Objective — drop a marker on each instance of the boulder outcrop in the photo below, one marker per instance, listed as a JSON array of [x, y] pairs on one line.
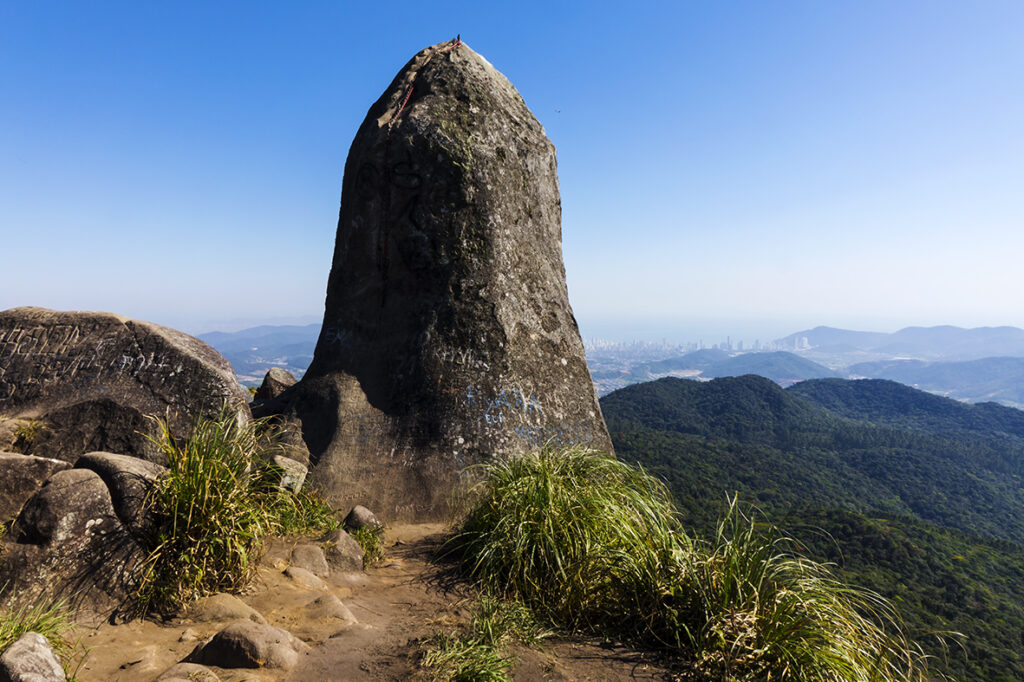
[[68, 543], [90, 379], [245, 644], [448, 338], [129, 480]]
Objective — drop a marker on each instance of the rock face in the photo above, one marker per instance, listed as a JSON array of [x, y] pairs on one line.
[[20, 477], [91, 378], [447, 337], [129, 480]]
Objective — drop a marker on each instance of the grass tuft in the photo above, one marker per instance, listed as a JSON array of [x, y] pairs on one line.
[[591, 544], [54, 622], [214, 509], [371, 540], [479, 653], [25, 434]]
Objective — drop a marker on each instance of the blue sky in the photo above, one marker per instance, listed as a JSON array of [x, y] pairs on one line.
[[749, 168]]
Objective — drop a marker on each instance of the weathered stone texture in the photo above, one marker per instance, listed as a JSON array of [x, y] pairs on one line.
[[20, 477], [68, 543], [276, 382], [343, 553], [91, 378], [448, 337], [245, 644], [130, 481], [30, 659]]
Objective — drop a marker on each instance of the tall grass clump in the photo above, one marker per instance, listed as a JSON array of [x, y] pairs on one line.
[[592, 544], [52, 621], [746, 607], [218, 502], [576, 535]]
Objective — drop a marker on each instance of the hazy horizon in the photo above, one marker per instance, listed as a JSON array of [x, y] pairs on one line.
[[747, 170], [711, 332]]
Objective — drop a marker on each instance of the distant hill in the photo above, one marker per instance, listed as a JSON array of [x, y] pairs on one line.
[[782, 367], [252, 352], [996, 379], [916, 496], [927, 343]]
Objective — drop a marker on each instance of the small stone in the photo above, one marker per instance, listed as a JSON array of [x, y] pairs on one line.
[[245, 644], [293, 473], [188, 635], [343, 553], [304, 578], [360, 517], [276, 382], [30, 659], [311, 558], [329, 607], [222, 607]]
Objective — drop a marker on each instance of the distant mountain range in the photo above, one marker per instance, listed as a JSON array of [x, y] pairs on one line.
[[916, 356], [252, 352], [781, 367], [913, 495], [923, 343]]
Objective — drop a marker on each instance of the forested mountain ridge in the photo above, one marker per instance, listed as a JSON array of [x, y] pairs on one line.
[[800, 452], [916, 496]]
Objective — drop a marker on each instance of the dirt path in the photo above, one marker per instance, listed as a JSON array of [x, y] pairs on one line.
[[398, 605]]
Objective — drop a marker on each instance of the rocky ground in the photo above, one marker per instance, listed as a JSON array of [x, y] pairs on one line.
[[348, 626]]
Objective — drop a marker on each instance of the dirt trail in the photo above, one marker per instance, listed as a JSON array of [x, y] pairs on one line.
[[397, 604]]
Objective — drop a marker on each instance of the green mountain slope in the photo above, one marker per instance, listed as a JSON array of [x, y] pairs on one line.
[[922, 495]]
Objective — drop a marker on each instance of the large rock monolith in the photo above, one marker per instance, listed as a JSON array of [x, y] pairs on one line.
[[447, 337], [90, 379]]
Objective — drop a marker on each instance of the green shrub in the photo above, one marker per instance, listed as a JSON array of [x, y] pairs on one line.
[[593, 544], [214, 509], [371, 540]]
